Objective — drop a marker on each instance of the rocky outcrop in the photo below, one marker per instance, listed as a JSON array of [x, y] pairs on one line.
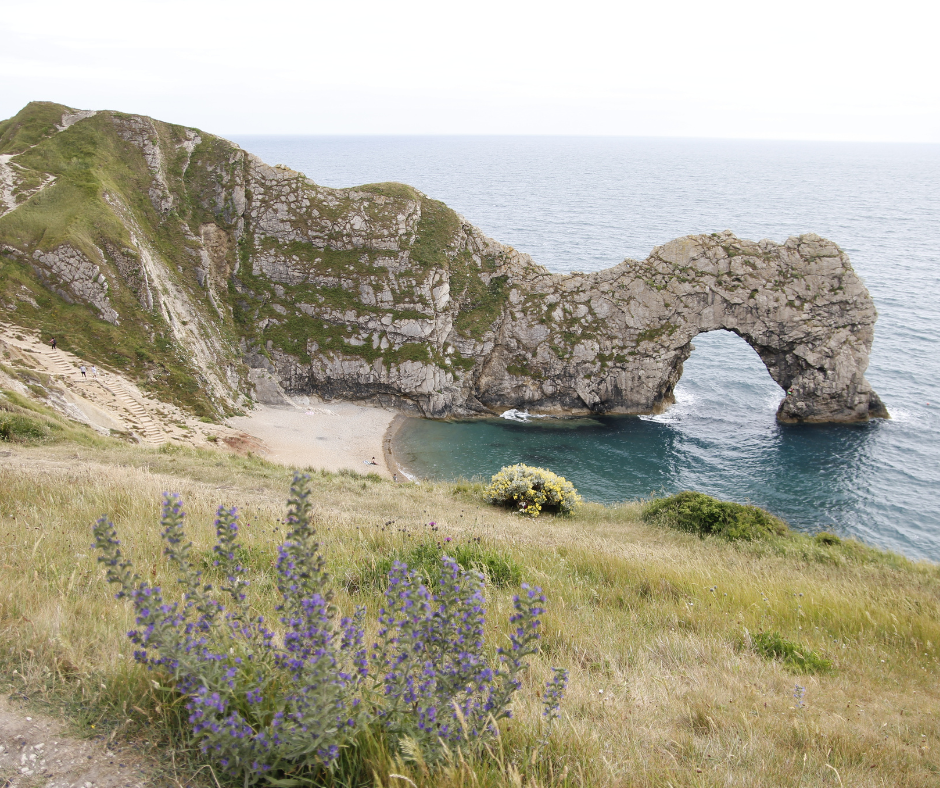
[[142, 132], [380, 293], [615, 341], [75, 277], [798, 304]]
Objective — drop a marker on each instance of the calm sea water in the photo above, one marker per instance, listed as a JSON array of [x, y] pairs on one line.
[[586, 203]]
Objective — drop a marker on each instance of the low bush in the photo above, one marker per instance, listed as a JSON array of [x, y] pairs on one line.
[[797, 658], [531, 491], [306, 704], [20, 428], [706, 516], [425, 559]]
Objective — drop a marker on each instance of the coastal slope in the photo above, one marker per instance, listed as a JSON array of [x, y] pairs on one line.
[[218, 279]]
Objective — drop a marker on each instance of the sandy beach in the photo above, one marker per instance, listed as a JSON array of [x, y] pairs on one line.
[[330, 436]]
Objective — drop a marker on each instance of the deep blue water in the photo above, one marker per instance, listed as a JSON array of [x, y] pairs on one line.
[[586, 203]]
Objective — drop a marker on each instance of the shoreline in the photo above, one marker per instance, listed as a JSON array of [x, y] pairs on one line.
[[388, 455]]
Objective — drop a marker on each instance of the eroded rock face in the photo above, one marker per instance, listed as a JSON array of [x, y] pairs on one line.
[[615, 341], [75, 278], [379, 293], [798, 304], [487, 329]]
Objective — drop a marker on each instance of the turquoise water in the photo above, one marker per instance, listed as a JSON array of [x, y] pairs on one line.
[[724, 441], [586, 203]]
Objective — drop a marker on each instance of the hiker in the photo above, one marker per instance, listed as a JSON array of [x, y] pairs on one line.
[[94, 372], [82, 370], [52, 343]]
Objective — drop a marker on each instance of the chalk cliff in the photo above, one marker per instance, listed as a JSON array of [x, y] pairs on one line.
[[257, 280]]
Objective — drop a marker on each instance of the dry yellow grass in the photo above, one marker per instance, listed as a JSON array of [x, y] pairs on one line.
[[666, 688]]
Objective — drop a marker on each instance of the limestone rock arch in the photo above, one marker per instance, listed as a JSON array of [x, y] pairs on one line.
[[630, 328]]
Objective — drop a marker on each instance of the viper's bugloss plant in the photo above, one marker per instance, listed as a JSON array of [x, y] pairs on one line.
[[280, 705], [440, 689], [530, 490]]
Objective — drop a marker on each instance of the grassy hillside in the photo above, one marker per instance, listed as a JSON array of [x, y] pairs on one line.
[[694, 661], [97, 196], [36, 121]]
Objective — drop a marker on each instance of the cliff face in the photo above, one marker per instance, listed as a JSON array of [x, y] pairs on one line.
[[380, 293]]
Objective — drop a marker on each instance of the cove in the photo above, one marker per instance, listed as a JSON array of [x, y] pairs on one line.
[[721, 437]]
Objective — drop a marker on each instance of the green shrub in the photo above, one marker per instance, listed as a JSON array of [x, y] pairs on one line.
[[703, 515], [532, 490], [425, 559], [827, 539], [19, 428], [797, 658]]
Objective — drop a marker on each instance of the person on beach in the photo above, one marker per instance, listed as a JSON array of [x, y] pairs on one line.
[[82, 370], [52, 343], [373, 462]]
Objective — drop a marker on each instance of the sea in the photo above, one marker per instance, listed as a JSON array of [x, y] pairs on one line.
[[586, 203]]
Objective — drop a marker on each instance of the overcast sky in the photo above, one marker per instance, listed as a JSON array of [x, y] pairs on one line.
[[791, 69]]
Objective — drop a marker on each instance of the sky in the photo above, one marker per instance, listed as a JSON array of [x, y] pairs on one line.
[[800, 69]]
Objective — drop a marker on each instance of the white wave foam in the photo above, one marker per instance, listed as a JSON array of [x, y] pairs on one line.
[[520, 415], [662, 418], [409, 476], [685, 400], [904, 415]]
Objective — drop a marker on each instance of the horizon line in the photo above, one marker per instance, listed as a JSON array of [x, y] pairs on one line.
[[690, 137]]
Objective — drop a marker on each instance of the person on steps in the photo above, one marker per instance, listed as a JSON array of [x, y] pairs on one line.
[[52, 343], [82, 370]]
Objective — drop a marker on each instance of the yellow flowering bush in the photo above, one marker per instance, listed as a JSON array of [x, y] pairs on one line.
[[532, 490]]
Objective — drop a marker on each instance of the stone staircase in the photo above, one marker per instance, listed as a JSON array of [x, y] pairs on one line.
[[138, 416], [108, 389], [56, 361]]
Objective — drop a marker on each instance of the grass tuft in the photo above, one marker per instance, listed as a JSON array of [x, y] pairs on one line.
[[797, 658]]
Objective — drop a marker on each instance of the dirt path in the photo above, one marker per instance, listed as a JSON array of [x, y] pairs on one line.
[[35, 751]]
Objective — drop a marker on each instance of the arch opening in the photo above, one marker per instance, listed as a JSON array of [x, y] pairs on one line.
[[723, 373]]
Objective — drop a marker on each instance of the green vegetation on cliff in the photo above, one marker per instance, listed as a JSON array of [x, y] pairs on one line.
[[98, 197], [193, 250]]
